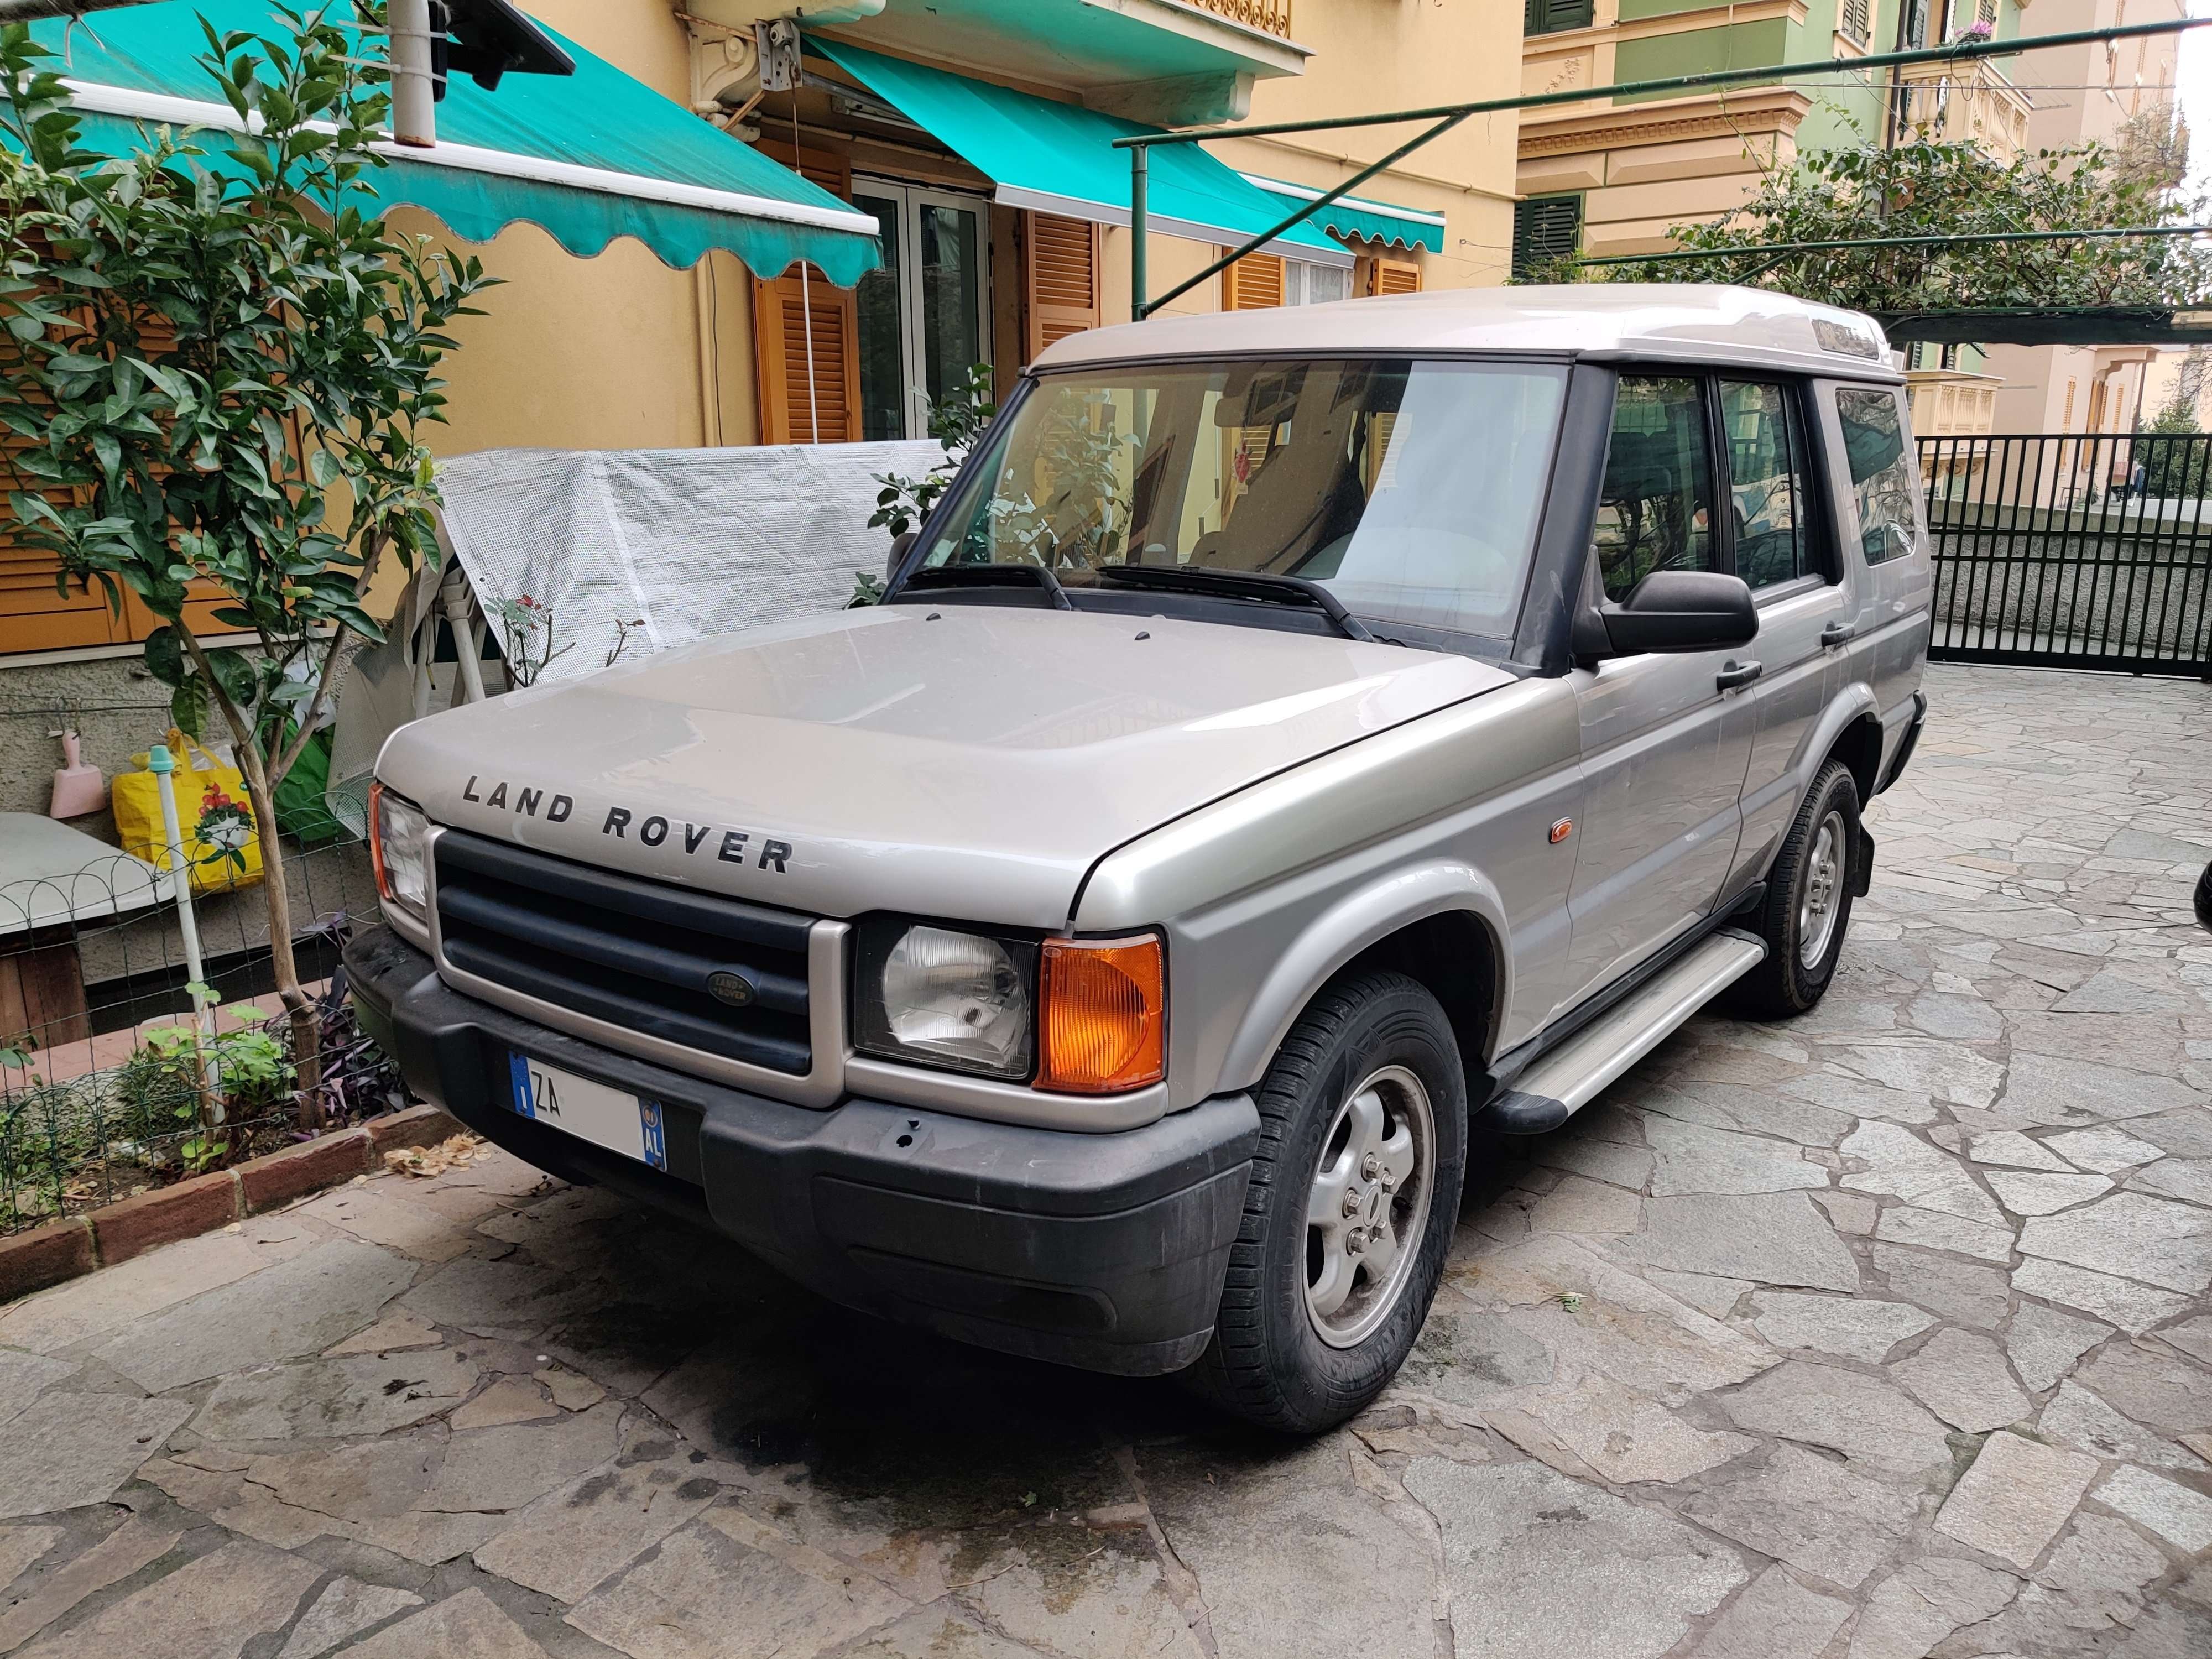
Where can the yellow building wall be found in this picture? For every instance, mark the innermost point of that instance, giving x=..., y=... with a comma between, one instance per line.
x=1374, y=55
x=614, y=352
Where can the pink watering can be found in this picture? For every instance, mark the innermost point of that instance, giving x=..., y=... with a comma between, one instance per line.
x=78, y=788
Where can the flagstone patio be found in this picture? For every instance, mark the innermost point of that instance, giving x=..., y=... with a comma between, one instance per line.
x=1881, y=1334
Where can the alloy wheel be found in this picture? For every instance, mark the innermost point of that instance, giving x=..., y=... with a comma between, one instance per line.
x=1369, y=1205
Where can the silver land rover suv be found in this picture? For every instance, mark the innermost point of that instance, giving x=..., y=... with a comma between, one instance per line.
x=1298, y=739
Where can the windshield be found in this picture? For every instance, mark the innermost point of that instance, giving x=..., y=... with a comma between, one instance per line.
x=1411, y=491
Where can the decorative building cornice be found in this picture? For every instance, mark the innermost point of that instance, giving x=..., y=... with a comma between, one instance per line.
x=1624, y=126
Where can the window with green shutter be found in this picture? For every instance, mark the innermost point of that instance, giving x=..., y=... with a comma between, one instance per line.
x=1545, y=228
x=1550, y=16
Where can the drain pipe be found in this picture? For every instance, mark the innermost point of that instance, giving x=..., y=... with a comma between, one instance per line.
x=413, y=83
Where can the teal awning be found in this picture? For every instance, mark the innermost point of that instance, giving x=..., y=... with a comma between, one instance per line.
x=1058, y=158
x=587, y=157
x=1356, y=216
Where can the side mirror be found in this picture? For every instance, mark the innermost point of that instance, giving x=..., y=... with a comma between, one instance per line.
x=900, y=543
x=1682, y=611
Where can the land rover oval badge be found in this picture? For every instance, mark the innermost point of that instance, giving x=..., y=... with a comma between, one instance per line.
x=732, y=988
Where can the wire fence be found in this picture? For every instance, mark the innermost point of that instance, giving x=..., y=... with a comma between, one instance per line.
x=141, y=1037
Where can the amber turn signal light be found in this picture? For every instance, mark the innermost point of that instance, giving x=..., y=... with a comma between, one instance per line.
x=1104, y=1015
x=376, y=841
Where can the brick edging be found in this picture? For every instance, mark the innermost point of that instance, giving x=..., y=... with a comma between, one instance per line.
x=116, y=1232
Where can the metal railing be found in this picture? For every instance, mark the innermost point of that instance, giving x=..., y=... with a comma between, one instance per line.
x=1971, y=103
x=2067, y=550
x=1270, y=16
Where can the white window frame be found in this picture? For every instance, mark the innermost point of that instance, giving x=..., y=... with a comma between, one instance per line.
x=1298, y=274
x=913, y=348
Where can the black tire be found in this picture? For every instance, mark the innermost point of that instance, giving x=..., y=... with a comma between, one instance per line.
x=2204, y=897
x=1267, y=1362
x=1786, y=984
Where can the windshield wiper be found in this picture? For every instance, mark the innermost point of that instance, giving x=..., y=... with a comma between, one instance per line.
x=1239, y=585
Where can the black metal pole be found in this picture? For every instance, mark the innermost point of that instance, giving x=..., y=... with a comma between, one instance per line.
x=1946, y=240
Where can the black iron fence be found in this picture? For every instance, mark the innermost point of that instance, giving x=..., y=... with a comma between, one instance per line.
x=2073, y=551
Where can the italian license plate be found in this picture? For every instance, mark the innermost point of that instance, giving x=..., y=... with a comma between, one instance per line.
x=607, y=1117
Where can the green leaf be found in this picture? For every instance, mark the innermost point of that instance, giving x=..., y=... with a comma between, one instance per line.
x=188, y=709
x=235, y=673
x=165, y=656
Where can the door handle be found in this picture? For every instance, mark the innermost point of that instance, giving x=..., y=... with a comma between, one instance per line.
x=1738, y=673
x=1837, y=633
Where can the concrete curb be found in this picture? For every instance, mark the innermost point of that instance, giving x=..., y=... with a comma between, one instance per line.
x=115, y=1232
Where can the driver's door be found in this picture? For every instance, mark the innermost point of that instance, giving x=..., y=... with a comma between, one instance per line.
x=1664, y=746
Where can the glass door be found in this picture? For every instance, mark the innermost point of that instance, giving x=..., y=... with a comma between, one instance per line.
x=883, y=325
x=925, y=315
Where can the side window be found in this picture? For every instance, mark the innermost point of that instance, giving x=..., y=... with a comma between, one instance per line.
x=1884, y=481
x=1656, y=510
x=1766, y=483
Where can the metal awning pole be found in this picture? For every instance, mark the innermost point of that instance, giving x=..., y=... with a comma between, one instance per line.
x=1448, y=116
x=1302, y=214
x=1141, y=159
x=1786, y=248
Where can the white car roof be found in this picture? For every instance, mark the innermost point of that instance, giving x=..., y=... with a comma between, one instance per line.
x=1665, y=321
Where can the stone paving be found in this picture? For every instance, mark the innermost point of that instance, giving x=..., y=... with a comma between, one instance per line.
x=1878, y=1334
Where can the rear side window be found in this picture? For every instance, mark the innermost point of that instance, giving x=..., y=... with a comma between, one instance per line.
x=1766, y=482
x=1884, y=481
x=1656, y=511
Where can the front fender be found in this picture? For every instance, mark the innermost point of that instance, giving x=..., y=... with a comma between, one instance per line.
x=1362, y=918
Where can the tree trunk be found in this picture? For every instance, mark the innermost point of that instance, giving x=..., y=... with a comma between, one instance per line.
x=306, y=1023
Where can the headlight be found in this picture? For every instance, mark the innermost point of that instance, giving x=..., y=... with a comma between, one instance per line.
x=398, y=851
x=941, y=998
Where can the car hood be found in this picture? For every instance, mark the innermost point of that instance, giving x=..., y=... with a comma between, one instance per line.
x=969, y=764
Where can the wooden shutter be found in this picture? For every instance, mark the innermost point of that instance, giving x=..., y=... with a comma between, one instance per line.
x=807, y=396
x=806, y=334
x=1551, y=16
x=34, y=614
x=1253, y=283
x=1393, y=276
x=1545, y=228
x=1060, y=280
x=37, y=614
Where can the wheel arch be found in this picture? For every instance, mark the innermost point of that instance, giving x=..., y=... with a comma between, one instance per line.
x=1442, y=924
x=1849, y=730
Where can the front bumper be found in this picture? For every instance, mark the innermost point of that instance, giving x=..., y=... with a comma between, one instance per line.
x=1105, y=1251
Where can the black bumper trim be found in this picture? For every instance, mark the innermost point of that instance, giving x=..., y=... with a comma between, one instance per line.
x=1106, y=1251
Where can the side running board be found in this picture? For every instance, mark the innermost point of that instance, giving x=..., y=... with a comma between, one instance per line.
x=1563, y=1082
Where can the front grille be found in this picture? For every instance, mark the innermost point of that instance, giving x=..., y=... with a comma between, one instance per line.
x=636, y=954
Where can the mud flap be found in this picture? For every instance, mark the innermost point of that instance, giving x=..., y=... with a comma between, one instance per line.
x=1862, y=864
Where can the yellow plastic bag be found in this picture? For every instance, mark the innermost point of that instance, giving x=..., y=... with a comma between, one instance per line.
x=213, y=817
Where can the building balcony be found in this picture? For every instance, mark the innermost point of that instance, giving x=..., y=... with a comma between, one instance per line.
x=1951, y=403
x=1971, y=103
x=1173, y=63
x=1270, y=16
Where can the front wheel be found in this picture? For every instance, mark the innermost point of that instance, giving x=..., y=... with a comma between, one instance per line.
x=1349, y=1212
x=1807, y=908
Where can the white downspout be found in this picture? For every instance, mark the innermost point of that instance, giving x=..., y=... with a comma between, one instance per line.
x=414, y=92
